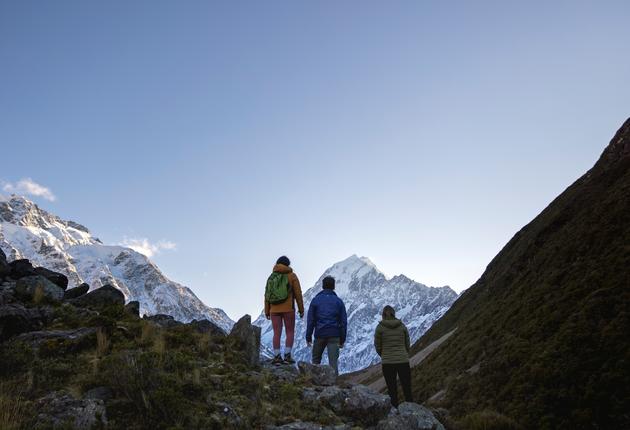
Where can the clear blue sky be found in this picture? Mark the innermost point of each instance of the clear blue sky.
(421, 134)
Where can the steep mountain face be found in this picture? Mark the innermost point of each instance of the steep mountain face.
(27, 231)
(542, 339)
(365, 291)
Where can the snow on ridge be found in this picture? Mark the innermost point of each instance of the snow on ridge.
(27, 231)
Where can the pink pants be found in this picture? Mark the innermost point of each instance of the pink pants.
(289, 324)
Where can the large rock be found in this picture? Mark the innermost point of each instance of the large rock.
(75, 292)
(21, 268)
(100, 298)
(7, 292)
(299, 425)
(207, 326)
(162, 320)
(282, 372)
(72, 340)
(16, 319)
(5, 269)
(61, 410)
(410, 416)
(365, 405)
(58, 279)
(29, 287)
(318, 374)
(133, 308)
(246, 338)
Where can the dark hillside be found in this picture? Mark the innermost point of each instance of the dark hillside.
(543, 337)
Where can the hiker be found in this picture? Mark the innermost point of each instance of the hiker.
(327, 316)
(391, 340)
(281, 293)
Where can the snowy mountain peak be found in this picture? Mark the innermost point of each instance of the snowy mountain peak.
(365, 290)
(27, 231)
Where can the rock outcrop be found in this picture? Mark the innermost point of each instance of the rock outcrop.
(246, 338)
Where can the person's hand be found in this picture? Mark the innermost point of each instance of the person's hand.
(267, 316)
(309, 344)
(301, 315)
(341, 346)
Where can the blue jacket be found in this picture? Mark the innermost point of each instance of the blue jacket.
(327, 316)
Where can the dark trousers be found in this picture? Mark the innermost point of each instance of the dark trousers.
(403, 371)
(332, 345)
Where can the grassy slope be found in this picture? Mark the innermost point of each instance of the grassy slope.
(548, 322)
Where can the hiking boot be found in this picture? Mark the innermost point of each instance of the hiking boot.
(288, 359)
(277, 360)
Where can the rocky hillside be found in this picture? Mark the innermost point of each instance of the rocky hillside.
(542, 339)
(29, 232)
(73, 359)
(365, 290)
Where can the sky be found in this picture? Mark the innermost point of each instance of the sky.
(218, 136)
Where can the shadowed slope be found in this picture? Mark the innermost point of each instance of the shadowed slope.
(543, 336)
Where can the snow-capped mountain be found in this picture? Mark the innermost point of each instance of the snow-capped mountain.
(27, 231)
(365, 290)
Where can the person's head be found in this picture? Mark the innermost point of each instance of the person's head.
(389, 313)
(284, 260)
(328, 283)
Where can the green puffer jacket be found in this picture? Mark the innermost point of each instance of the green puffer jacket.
(391, 340)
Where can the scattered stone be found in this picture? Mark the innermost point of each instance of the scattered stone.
(318, 374)
(410, 416)
(99, 393)
(58, 279)
(162, 320)
(229, 415)
(28, 287)
(16, 319)
(72, 339)
(365, 405)
(60, 409)
(299, 425)
(133, 308)
(246, 338)
(21, 268)
(75, 292)
(207, 326)
(100, 298)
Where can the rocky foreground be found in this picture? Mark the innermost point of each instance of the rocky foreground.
(80, 359)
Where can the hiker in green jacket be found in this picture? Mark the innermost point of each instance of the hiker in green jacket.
(391, 340)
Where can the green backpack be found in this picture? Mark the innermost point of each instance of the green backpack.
(277, 289)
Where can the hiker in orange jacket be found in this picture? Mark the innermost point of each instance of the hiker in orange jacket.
(284, 312)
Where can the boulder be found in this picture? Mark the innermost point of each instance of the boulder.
(410, 416)
(246, 338)
(16, 319)
(162, 320)
(5, 269)
(99, 393)
(58, 279)
(282, 372)
(60, 409)
(28, 287)
(21, 268)
(72, 340)
(300, 425)
(365, 405)
(318, 374)
(334, 397)
(75, 292)
(207, 326)
(133, 308)
(7, 292)
(100, 298)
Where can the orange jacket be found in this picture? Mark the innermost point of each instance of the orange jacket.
(295, 294)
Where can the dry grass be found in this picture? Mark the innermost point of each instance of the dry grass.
(196, 376)
(204, 345)
(38, 295)
(159, 346)
(102, 342)
(147, 333)
(13, 409)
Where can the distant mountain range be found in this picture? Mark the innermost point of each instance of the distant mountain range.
(365, 290)
(27, 231)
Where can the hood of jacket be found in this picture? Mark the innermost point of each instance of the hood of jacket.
(393, 323)
(281, 268)
(327, 292)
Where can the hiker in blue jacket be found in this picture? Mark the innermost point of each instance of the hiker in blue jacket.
(327, 316)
